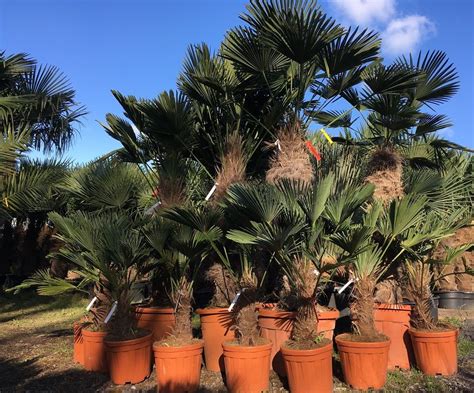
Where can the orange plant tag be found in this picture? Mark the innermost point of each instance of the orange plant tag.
(313, 150)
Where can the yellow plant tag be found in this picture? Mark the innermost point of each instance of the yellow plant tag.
(326, 135)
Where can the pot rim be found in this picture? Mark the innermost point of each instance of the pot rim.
(307, 352)
(392, 307)
(213, 310)
(443, 292)
(271, 312)
(245, 348)
(170, 349)
(90, 333)
(154, 310)
(361, 344)
(434, 333)
(118, 343)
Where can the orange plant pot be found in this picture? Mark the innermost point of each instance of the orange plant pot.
(327, 323)
(436, 352)
(277, 325)
(364, 364)
(159, 320)
(129, 361)
(393, 320)
(178, 369)
(215, 327)
(247, 369)
(78, 344)
(94, 351)
(309, 371)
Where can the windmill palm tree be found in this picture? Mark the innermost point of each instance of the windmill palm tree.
(399, 126)
(308, 231)
(38, 99)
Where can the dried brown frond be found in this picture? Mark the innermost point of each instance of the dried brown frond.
(292, 161)
(419, 279)
(287, 299)
(388, 292)
(225, 287)
(385, 173)
(171, 190)
(458, 280)
(233, 165)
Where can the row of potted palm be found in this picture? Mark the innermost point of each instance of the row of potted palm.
(308, 232)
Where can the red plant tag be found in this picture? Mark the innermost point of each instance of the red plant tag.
(313, 150)
(156, 193)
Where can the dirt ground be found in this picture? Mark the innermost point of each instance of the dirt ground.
(36, 354)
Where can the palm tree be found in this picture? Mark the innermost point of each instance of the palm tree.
(38, 99)
(177, 256)
(109, 247)
(303, 61)
(309, 231)
(397, 127)
(37, 111)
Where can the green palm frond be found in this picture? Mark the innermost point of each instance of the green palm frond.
(297, 29)
(439, 80)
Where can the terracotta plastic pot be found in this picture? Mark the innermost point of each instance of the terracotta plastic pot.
(393, 320)
(327, 323)
(436, 352)
(178, 369)
(94, 351)
(309, 371)
(364, 364)
(78, 344)
(215, 327)
(159, 320)
(129, 361)
(247, 369)
(277, 325)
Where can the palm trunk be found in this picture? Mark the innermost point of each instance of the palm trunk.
(385, 173)
(247, 320)
(305, 328)
(183, 330)
(362, 308)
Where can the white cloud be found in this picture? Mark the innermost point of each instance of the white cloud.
(403, 35)
(366, 11)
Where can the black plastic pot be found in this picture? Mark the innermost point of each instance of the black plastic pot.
(456, 299)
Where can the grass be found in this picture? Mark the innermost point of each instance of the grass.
(414, 381)
(465, 347)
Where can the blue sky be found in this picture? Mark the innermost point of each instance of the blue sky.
(137, 46)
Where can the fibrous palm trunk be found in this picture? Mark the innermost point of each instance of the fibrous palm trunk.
(362, 308)
(182, 297)
(292, 160)
(233, 166)
(385, 173)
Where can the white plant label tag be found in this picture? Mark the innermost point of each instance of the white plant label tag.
(213, 189)
(345, 286)
(278, 144)
(152, 209)
(89, 306)
(316, 272)
(111, 312)
(232, 305)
